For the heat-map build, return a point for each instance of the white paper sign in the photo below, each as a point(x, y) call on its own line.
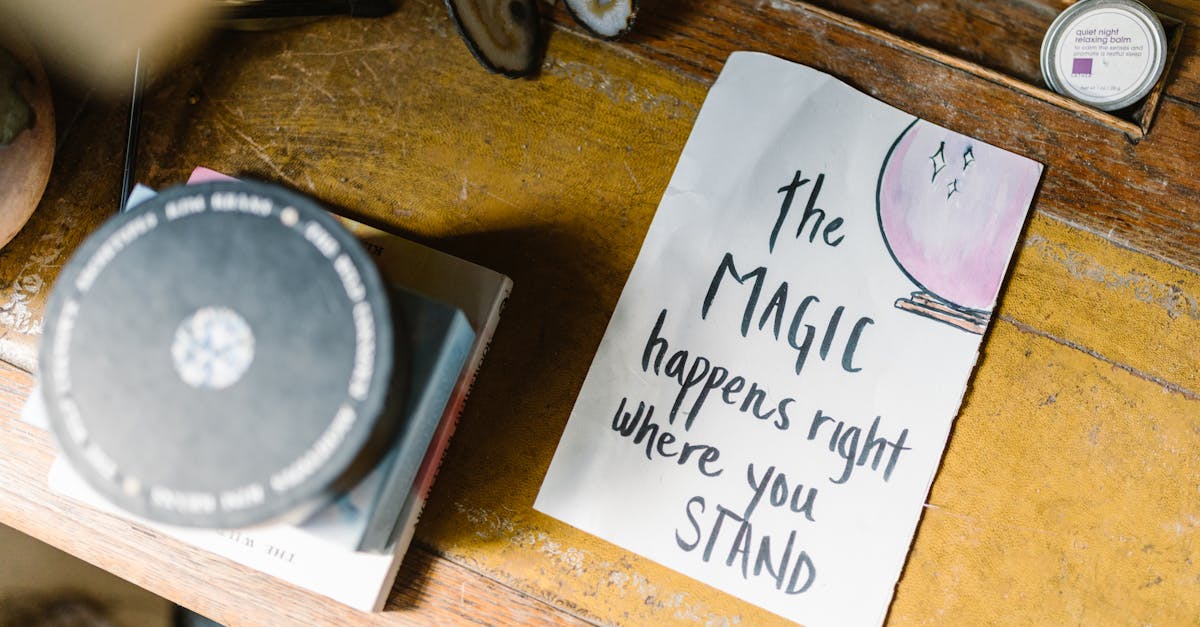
point(770, 402)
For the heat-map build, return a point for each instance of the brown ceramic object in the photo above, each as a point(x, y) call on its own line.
point(25, 163)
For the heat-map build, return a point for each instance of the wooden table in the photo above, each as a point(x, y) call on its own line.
point(1070, 489)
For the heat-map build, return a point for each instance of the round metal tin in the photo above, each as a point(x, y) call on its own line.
point(220, 356)
point(1105, 53)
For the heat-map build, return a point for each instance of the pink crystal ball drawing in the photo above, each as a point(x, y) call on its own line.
point(951, 209)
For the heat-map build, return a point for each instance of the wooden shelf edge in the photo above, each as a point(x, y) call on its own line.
point(429, 589)
point(1135, 131)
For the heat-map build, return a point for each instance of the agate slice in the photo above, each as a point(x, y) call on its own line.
point(604, 18)
point(505, 35)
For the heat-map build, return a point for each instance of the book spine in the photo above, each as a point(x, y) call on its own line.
point(415, 503)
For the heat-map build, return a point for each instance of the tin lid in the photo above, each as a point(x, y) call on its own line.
point(220, 356)
point(1105, 53)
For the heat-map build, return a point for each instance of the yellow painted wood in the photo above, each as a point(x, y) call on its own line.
point(1069, 492)
point(1068, 495)
point(554, 182)
point(1127, 308)
point(1050, 440)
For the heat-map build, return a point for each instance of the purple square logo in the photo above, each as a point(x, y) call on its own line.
point(1081, 67)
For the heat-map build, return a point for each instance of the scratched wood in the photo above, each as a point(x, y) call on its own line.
point(429, 589)
point(83, 189)
point(1003, 36)
point(1006, 36)
point(1067, 494)
point(1148, 208)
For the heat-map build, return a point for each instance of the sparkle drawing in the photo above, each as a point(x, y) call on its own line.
point(950, 208)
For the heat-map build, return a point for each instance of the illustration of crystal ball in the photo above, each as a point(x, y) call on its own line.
point(951, 208)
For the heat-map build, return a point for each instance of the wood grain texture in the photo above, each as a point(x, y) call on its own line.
point(1067, 494)
point(428, 590)
point(1141, 211)
point(1003, 36)
point(1148, 209)
point(1062, 498)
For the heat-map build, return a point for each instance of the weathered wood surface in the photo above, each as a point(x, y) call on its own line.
point(1149, 207)
point(428, 590)
point(1068, 491)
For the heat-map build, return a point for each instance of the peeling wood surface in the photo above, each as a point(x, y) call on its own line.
point(1068, 493)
